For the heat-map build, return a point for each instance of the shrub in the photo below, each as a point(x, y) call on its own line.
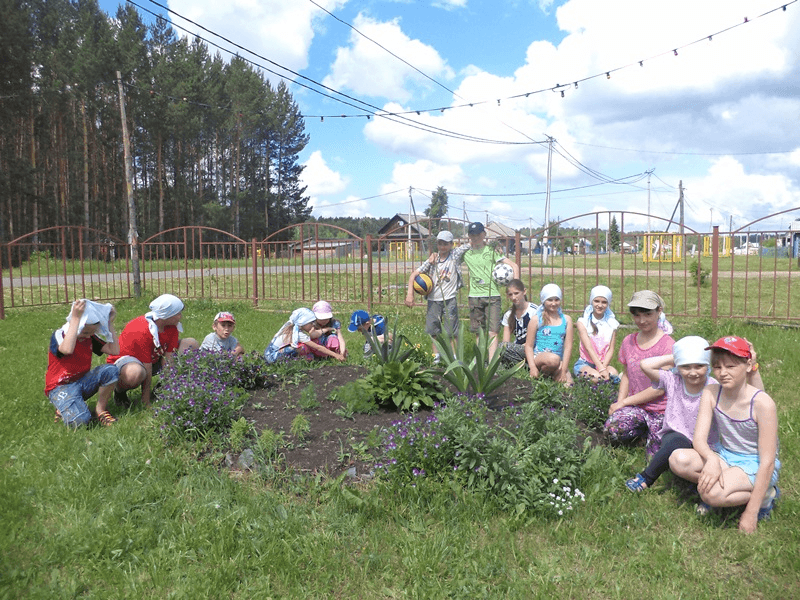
point(201, 393)
point(404, 385)
point(525, 459)
point(586, 401)
point(699, 274)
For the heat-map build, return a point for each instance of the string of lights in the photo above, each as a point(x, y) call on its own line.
point(348, 100)
point(561, 88)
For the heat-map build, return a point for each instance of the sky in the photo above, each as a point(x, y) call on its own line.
point(464, 94)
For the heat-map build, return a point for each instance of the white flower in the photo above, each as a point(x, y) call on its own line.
point(561, 512)
point(555, 480)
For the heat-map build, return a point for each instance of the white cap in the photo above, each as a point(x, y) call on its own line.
point(445, 236)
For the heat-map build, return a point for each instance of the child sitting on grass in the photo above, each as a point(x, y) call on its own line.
point(597, 330)
point(70, 379)
point(293, 339)
point(221, 339)
point(360, 321)
point(742, 469)
point(683, 386)
point(515, 322)
point(549, 341)
point(327, 331)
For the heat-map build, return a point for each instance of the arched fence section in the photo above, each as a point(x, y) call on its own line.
point(749, 273)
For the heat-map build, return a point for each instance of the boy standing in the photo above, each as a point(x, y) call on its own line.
point(443, 268)
point(221, 339)
point(484, 295)
point(70, 379)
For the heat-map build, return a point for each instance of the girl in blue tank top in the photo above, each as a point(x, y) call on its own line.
point(549, 343)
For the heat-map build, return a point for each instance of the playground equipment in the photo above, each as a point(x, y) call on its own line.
point(662, 247)
point(725, 245)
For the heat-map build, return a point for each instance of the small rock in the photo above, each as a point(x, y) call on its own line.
point(229, 461)
point(246, 460)
point(351, 472)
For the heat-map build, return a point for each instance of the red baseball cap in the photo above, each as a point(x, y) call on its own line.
point(733, 344)
point(222, 317)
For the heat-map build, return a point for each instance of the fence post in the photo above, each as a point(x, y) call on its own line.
point(2, 292)
point(255, 271)
point(64, 263)
point(518, 251)
point(714, 271)
point(369, 273)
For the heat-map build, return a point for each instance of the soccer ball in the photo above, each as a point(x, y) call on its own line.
point(502, 274)
point(423, 284)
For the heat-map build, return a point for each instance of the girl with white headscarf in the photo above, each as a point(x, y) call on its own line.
point(597, 330)
point(548, 345)
point(293, 339)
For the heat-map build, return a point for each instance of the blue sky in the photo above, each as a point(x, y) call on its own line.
point(721, 115)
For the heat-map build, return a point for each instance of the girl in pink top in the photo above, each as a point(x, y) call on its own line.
point(639, 409)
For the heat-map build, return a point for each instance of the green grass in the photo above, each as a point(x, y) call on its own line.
point(112, 513)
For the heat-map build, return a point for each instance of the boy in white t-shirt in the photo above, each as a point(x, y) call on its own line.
point(221, 339)
point(443, 267)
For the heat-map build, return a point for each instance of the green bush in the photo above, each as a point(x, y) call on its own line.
point(404, 385)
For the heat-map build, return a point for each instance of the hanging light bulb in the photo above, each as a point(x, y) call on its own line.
point(576, 85)
point(498, 102)
point(641, 63)
point(562, 93)
point(322, 119)
point(608, 75)
point(675, 52)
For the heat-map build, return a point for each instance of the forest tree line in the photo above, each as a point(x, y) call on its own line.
point(214, 143)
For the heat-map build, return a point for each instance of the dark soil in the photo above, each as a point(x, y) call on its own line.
point(329, 446)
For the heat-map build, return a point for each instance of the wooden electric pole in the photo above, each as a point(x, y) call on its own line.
point(133, 235)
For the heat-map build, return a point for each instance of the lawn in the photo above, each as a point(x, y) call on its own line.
point(115, 513)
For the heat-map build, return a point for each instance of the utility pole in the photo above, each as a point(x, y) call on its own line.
point(681, 200)
point(408, 244)
point(550, 141)
point(133, 234)
point(648, 205)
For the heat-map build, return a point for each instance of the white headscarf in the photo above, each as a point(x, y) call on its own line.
point(163, 307)
point(691, 350)
point(551, 290)
point(94, 313)
point(588, 313)
point(300, 317)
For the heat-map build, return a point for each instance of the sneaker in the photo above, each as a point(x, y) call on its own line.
point(636, 484)
point(121, 399)
point(765, 512)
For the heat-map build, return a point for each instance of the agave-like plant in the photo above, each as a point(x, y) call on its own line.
point(480, 375)
point(394, 348)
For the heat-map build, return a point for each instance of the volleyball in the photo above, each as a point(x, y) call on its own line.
point(423, 284)
point(502, 274)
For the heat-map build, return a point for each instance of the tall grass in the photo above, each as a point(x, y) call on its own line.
point(113, 513)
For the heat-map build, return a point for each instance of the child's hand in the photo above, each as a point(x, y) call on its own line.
point(615, 407)
point(410, 299)
point(753, 357)
point(77, 309)
point(710, 475)
point(748, 522)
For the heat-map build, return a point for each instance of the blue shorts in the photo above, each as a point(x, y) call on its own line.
point(579, 364)
point(70, 398)
point(746, 462)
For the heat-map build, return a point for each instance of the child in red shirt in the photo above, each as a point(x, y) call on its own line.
point(70, 379)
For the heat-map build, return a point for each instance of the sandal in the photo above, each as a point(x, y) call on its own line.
point(766, 512)
point(637, 484)
point(106, 418)
point(704, 509)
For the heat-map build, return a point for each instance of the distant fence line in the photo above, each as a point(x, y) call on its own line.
point(750, 275)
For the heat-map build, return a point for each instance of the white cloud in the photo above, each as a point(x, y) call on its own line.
point(369, 70)
point(450, 4)
point(320, 178)
point(282, 31)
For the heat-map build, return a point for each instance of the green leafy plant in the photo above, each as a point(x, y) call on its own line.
point(699, 274)
point(356, 397)
point(478, 376)
point(269, 443)
point(405, 385)
point(300, 427)
point(308, 398)
point(240, 431)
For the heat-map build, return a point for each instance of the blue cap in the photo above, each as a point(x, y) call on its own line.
point(357, 319)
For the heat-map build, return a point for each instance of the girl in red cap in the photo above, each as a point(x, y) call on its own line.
point(742, 469)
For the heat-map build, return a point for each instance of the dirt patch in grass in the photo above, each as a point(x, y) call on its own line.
point(335, 444)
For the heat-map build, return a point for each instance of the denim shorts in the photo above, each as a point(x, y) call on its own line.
point(746, 462)
point(579, 364)
point(70, 398)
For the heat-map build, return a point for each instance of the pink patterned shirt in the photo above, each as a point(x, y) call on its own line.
point(631, 355)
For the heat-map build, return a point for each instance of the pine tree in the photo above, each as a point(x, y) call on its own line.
point(613, 234)
point(437, 209)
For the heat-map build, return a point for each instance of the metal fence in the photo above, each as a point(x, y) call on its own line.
point(742, 274)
